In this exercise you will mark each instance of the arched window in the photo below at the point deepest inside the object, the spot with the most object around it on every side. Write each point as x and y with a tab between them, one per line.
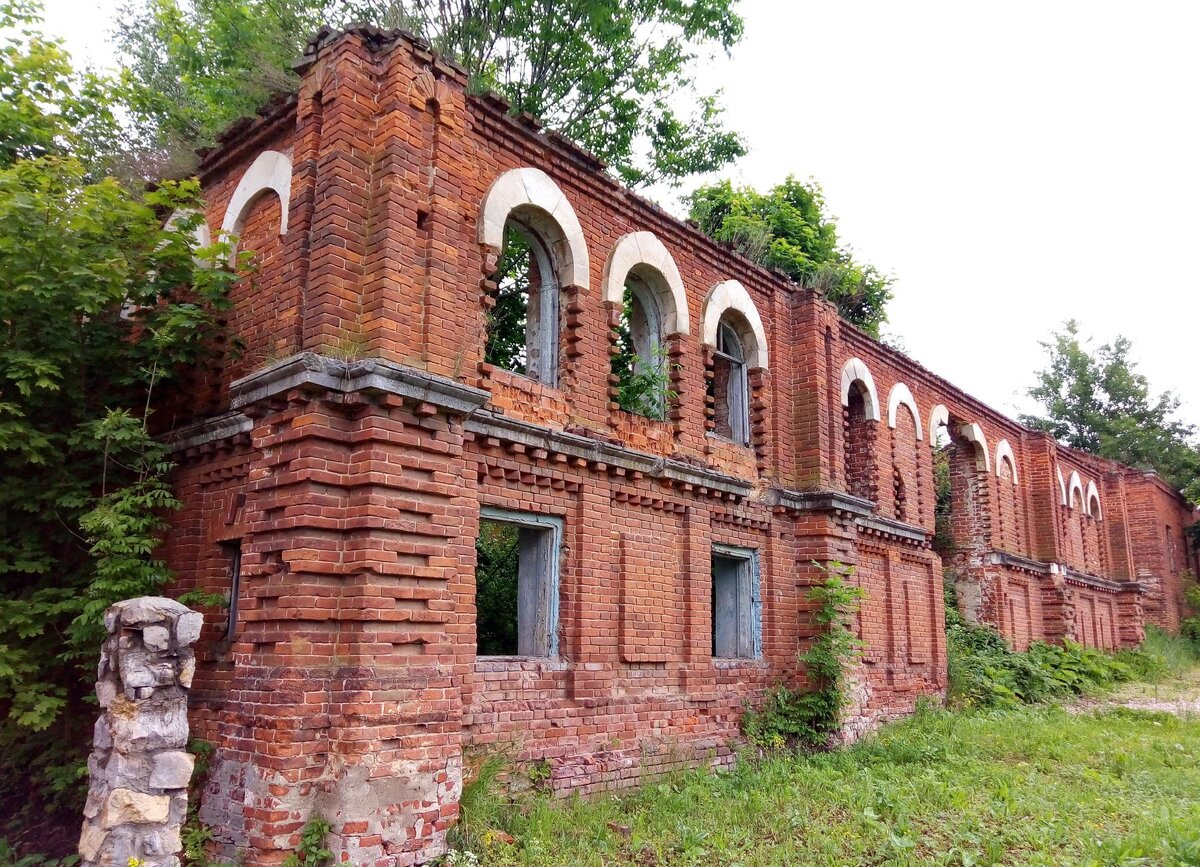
640	363
523	326
728	387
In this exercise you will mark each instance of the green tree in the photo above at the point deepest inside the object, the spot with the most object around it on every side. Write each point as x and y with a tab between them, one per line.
608	74
99	305
1098	402
46	106
789	230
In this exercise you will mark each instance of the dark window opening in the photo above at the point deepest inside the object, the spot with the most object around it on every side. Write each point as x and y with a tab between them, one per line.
233	552
736	605
516	585
523	326
728	388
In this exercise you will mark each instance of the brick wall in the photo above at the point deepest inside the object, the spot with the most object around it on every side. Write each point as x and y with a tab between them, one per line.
339	463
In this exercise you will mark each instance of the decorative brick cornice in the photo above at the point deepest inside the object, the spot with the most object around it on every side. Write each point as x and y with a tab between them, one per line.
307	370
894	529
210	430
1098	583
489	424
823	501
1015	561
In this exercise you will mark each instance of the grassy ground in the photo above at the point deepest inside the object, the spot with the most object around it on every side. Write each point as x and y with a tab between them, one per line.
1038	785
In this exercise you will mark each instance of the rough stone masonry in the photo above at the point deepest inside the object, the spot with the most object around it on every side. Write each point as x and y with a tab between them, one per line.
139	768
442	530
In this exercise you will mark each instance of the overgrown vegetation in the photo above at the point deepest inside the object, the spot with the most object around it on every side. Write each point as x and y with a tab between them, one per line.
806	716
644	384
311	852
984	672
1036	785
100	305
788	229
612	75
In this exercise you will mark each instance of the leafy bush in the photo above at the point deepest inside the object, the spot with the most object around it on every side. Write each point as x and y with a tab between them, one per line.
802	716
985	672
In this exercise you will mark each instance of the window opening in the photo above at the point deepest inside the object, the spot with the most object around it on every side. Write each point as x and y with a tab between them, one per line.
516	584
736	604
728	387
523	326
233	551
640	363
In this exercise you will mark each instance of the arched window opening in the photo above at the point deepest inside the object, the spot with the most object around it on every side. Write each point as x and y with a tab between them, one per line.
728	387
523	326
859	442
640	363
943	531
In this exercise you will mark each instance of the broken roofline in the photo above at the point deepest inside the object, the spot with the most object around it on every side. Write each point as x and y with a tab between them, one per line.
245	134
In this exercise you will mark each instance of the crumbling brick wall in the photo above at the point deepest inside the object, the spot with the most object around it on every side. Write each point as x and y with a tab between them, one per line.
336	472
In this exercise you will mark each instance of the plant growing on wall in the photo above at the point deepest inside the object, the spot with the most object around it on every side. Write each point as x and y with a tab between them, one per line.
610	75
788	229
807	717
644	385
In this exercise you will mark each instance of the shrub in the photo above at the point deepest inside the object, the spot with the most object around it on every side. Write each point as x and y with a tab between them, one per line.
807	717
985	672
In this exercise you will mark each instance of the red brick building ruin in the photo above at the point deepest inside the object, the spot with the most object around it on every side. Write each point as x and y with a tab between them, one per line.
338	471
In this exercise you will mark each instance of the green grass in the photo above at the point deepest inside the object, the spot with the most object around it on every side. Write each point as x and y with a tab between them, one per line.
1033	785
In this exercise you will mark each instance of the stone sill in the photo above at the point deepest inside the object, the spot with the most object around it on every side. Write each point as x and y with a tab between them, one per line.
518	663
726	664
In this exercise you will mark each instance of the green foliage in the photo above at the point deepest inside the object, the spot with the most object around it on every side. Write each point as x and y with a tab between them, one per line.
1191	595
497	551
506	341
194	834
99	305
1036	785
807	717
985	672
1098	402
47	108
943	534
484	800
789	230
604	73
644	385
311	852
10	857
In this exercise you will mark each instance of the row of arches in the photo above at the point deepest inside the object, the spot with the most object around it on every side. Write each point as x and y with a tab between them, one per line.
528	228
856	377
1075	496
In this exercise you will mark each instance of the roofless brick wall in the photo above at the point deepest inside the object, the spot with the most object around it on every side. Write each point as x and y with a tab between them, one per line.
338	471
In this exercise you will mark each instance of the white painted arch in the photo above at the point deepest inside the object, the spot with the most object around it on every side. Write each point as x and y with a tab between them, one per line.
1073	485
530	195
732	295
855	370
1062	485
202	236
938	416
973	433
1093	496
639	252
1004	452
271	171
900	394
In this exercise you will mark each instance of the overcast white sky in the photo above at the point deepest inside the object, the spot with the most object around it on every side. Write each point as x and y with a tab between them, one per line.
1013	164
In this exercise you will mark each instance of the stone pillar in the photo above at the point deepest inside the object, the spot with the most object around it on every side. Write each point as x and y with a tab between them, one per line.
139	770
